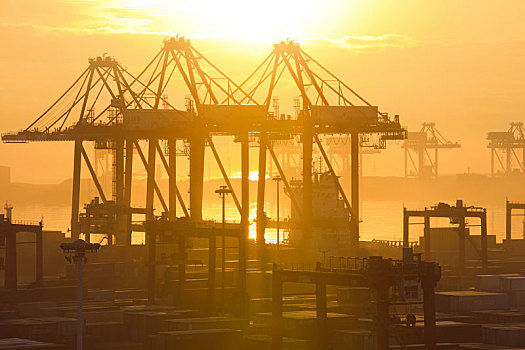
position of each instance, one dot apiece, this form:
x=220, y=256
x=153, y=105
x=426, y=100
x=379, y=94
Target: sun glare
x=268, y=20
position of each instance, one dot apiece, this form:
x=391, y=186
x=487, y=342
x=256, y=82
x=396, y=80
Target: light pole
x=77, y=254
x=223, y=191
x=277, y=180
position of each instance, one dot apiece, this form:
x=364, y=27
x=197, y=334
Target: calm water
x=380, y=219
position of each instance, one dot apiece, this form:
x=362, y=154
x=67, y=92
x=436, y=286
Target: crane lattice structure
x=327, y=106
x=417, y=147
x=136, y=109
x=91, y=109
x=504, y=147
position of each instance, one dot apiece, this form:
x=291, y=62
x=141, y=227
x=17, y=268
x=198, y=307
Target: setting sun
x=238, y=19
x=262, y=174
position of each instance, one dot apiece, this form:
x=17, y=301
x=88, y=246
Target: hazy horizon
x=452, y=63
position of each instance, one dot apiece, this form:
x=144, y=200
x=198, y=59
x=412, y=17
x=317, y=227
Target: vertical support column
x=406, y=227
x=508, y=221
x=321, y=309
x=421, y=161
x=197, y=148
x=172, y=179
x=382, y=316
x=245, y=207
x=80, y=306
x=354, y=239
x=436, y=161
x=492, y=150
x=461, y=234
x=508, y=169
x=484, y=248
x=150, y=182
x=426, y=234
x=307, y=182
x=212, y=250
x=406, y=162
x=39, y=256
x=277, y=309
x=119, y=190
x=429, y=305
x=181, y=270
x=11, y=282
x=152, y=252
x=75, y=203
x=87, y=230
x=128, y=178
x=261, y=186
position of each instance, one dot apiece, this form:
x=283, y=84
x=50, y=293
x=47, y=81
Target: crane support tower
x=118, y=111
x=505, y=148
x=327, y=106
x=418, y=148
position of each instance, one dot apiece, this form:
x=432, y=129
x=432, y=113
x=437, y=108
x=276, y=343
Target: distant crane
x=503, y=146
x=418, y=145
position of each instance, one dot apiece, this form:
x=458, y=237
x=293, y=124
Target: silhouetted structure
x=503, y=146
x=221, y=107
x=420, y=143
x=9, y=229
x=457, y=215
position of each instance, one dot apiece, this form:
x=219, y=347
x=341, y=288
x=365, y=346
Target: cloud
x=366, y=42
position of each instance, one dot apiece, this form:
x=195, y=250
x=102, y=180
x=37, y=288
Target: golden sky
x=458, y=63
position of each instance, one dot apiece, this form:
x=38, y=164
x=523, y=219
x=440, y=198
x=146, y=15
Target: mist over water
x=381, y=220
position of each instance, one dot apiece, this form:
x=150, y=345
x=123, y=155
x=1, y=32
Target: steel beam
x=245, y=210
x=321, y=312
x=128, y=178
x=75, y=203
x=261, y=186
x=197, y=148
x=428, y=283
x=406, y=228
x=462, y=236
x=150, y=182
x=484, y=244
x=173, y=187
x=426, y=235
x=39, y=257
x=383, y=317
x=172, y=178
x=354, y=220
x=212, y=266
x=277, y=310
x=93, y=174
x=150, y=243
x=119, y=190
x=307, y=182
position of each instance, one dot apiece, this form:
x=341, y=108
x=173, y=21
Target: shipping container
x=188, y=324
x=216, y=339
x=264, y=342
x=465, y=301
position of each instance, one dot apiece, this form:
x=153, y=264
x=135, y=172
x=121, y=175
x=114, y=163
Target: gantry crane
x=135, y=108
x=327, y=106
x=418, y=144
x=91, y=110
x=503, y=146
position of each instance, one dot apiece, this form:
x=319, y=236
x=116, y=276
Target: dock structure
x=377, y=273
x=132, y=108
x=9, y=229
x=458, y=215
x=420, y=143
x=507, y=151
x=509, y=208
x=179, y=232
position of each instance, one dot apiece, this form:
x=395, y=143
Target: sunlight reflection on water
x=380, y=219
